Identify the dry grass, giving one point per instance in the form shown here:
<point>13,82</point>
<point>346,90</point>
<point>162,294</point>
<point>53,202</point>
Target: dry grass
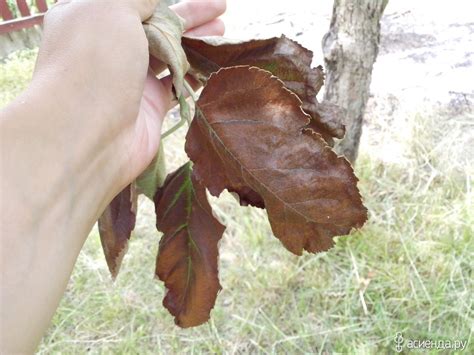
<point>408,270</point>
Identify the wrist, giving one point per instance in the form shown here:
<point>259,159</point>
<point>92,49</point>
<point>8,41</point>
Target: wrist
<point>72,156</point>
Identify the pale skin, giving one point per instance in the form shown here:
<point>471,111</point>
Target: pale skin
<point>87,125</point>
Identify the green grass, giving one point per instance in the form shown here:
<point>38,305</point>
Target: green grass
<point>408,270</point>
<point>15,73</point>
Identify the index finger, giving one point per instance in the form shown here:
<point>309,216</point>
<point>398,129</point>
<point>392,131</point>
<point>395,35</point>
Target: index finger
<point>199,12</point>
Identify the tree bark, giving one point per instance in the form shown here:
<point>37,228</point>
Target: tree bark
<point>350,49</point>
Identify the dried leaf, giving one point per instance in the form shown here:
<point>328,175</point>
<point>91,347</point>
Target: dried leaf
<point>164,31</point>
<point>116,225</point>
<point>187,256</point>
<point>248,137</point>
<point>284,58</point>
<point>154,175</point>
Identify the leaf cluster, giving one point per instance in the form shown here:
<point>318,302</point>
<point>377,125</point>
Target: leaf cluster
<point>259,132</point>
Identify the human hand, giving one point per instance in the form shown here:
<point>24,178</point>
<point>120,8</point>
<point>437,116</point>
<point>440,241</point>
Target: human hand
<point>102,46</point>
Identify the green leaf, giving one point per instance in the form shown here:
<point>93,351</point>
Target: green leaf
<point>153,177</point>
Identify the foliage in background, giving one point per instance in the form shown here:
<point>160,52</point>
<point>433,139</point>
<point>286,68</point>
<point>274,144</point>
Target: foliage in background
<point>15,73</point>
<point>31,4</point>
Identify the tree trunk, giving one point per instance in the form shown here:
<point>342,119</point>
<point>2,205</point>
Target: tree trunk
<point>350,49</point>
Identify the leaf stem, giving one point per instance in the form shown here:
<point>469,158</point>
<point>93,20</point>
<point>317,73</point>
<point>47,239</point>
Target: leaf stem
<point>173,129</point>
<point>190,90</point>
<point>188,119</point>
<point>193,96</point>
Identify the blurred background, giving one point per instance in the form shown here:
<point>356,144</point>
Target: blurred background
<point>408,270</point>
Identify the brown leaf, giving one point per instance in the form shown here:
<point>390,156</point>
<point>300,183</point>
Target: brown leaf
<point>284,58</point>
<point>116,225</point>
<point>187,255</point>
<point>248,137</point>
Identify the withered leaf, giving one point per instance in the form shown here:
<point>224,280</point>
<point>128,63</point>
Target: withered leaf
<point>284,58</point>
<point>188,252</point>
<point>248,137</point>
<point>163,31</point>
<point>116,225</point>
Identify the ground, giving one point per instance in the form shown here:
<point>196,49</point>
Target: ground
<point>408,270</point>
